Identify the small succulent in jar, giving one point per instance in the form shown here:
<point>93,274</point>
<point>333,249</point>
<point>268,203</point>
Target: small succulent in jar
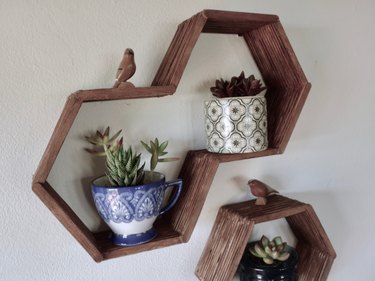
<point>270,250</point>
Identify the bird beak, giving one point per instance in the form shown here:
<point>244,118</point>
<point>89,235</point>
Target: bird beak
<point>251,181</point>
<point>129,51</point>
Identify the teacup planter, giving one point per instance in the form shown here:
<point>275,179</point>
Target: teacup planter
<point>128,198</point>
<point>236,120</point>
<point>130,211</point>
<point>236,125</point>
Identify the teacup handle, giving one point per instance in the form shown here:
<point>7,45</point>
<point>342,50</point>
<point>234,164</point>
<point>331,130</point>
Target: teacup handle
<point>176,184</point>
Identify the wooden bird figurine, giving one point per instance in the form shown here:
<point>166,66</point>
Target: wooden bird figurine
<point>261,191</point>
<point>125,70</point>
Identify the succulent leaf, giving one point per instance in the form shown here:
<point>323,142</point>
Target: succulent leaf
<point>277,240</point>
<point>274,254</point>
<point>260,251</point>
<point>268,260</point>
<point>162,147</point>
<point>154,160</point>
<point>281,247</point>
<point>268,250</point>
<point>169,159</point>
<point>254,253</point>
<point>146,146</point>
<point>154,148</point>
<point>283,256</point>
<point>114,138</point>
<point>157,149</point>
<point>265,241</point>
<point>157,143</point>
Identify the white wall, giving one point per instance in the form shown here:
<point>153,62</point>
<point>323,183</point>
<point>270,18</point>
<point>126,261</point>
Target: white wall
<point>49,49</point>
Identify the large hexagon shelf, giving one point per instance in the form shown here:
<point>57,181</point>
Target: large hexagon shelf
<point>287,91</point>
<point>234,224</point>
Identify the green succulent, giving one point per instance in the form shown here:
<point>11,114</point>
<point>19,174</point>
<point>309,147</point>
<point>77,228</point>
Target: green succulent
<point>123,166</point>
<point>270,250</point>
<point>157,150</point>
<point>102,140</point>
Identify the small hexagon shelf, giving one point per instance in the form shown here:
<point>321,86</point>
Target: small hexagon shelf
<point>287,91</point>
<point>233,227</point>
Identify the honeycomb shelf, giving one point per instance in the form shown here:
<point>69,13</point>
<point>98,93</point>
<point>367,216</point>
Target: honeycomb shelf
<point>287,92</point>
<point>233,227</point>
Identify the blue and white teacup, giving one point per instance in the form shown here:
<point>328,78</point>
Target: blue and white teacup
<point>131,211</point>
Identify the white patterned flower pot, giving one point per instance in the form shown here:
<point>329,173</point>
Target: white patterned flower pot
<point>236,125</point>
<point>131,211</point>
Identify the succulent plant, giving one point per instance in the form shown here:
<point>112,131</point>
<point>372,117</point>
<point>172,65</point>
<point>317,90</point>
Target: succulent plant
<point>156,150</point>
<point>238,86</point>
<point>102,140</point>
<point>123,166</point>
<point>223,88</point>
<point>270,250</point>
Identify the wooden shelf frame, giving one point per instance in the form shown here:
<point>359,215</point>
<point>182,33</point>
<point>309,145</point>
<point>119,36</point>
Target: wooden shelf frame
<point>234,225</point>
<point>287,92</point>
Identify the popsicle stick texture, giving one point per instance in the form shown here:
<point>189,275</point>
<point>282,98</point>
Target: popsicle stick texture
<point>288,89</point>
<point>233,227</point>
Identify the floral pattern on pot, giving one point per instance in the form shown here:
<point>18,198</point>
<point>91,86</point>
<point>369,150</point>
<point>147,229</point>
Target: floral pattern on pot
<point>130,211</point>
<point>216,141</point>
<point>225,127</point>
<point>215,111</point>
<point>235,110</point>
<point>236,125</point>
<point>128,206</point>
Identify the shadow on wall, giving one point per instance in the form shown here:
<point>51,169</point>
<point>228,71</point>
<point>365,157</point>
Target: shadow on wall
<point>326,206</point>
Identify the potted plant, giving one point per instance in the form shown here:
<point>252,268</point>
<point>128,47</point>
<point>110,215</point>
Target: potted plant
<point>236,120</point>
<point>269,260</point>
<point>128,198</point>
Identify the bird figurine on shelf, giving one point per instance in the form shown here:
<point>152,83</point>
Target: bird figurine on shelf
<point>125,70</point>
<point>260,190</point>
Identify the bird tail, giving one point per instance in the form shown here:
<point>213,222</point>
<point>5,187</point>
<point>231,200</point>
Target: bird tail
<point>117,83</point>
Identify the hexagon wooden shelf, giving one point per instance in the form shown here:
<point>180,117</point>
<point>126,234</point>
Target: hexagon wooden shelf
<point>234,224</point>
<point>287,91</point>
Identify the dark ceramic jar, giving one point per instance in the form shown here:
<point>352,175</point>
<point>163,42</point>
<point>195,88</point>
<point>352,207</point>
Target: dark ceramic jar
<point>254,269</point>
